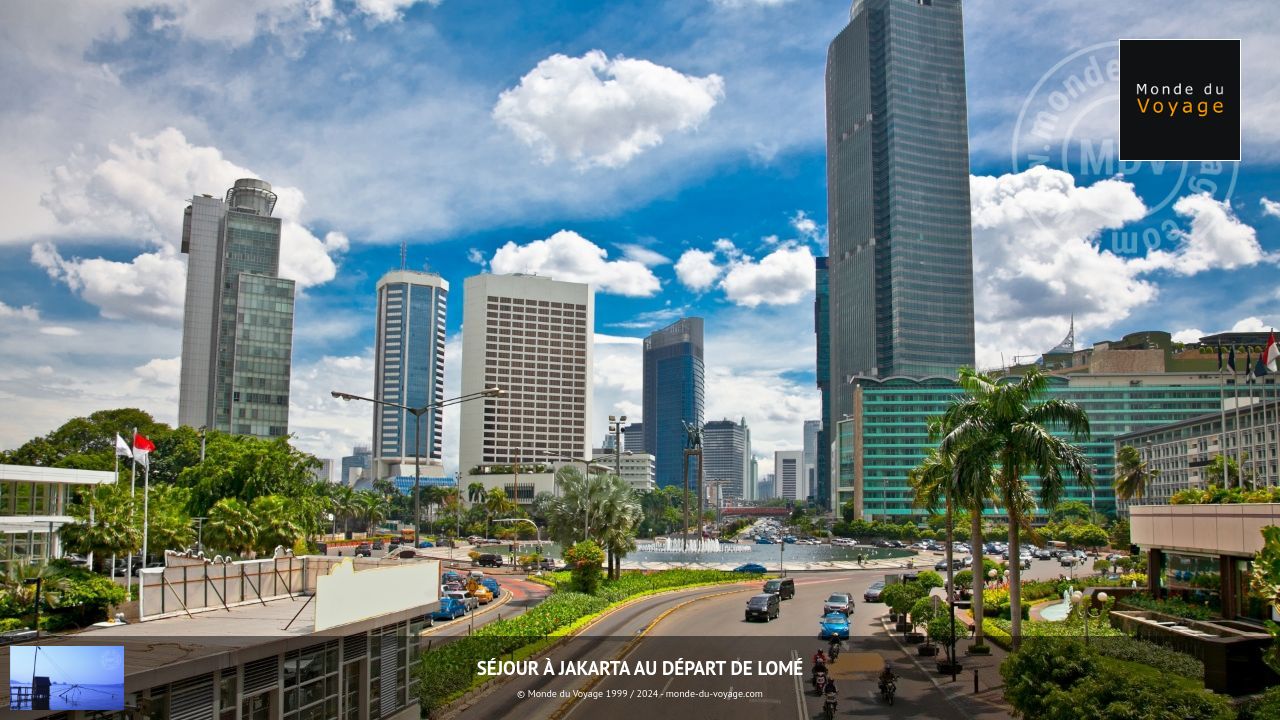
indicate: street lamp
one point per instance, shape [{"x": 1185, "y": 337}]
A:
[
  {"x": 417, "y": 439},
  {"x": 1087, "y": 611},
  {"x": 991, "y": 575},
  {"x": 615, "y": 427}
]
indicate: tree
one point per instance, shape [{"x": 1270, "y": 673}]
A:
[
  {"x": 1265, "y": 584},
  {"x": 112, "y": 532},
  {"x": 1119, "y": 534},
  {"x": 231, "y": 527},
  {"x": 1006, "y": 426},
  {"x": 476, "y": 493},
  {"x": 373, "y": 508},
  {"x": 342, "y": 503},
  {"x": 276, "y": 523},
  {"x": 584, "y": 561},
  {"x": 1132, "y": 474},
  {"x": 1088, "y": 535},
  {"x": 169, "y": 526},
  {"x": 1214, "y": 471},
  {"x": 1071, "y": 511},
  {"x": 619, "y": 517}
]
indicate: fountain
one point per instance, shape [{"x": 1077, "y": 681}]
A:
[
  {"x": 696, "y": 545},
  {"x": 1059, "y": 612}
]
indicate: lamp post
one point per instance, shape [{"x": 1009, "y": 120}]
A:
[
  {"x": 1087, "y": 611},
  {"x": 417, "y": 450},
  {"x": 38, "y": 582},
  {"x": 991, "y": 575},
  {"x": 615, "y": 427}
]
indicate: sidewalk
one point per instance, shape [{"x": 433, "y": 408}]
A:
[{"x": 988, "y": 703}]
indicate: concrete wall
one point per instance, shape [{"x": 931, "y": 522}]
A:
[{"x": 1206, "y": 529}]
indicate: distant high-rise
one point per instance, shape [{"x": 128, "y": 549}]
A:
[
  {"x": 633, "y": 438},
  {"x": 811, "y": 430},
  {"x": 673, "y": 395},
  {"x": 237, "y": 324},
  {"x": 409, "y": 366},
  {"x": 356, "y": 466},
  {"x": 752, "y": 491},
  {"x": 822, "y": 328},
  {"x": 900, "y": 266},
  {"x": 531, "y": 337},
  {"x": 788, "y": 471},
  {"x": 726, "y": 446}
]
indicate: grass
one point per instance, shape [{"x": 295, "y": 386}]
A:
[{"x": 1155, "y": 676}]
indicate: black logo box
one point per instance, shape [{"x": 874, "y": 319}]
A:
[{"x": 1186, "y": 68}]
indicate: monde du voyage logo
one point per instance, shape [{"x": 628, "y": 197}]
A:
[{"x": 1180, "y": 100}]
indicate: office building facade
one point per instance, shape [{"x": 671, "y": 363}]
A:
[
  {"x": 638, "y": 469},
  {"x": 811, "y": 430},
  {"x": 900, "y": 266},
  {"x": 530, "y": 336},
  {"x": 409, "y": 368},
  {"x": 822, "y": 331},
  {"x": 886, "y": 436},
  {"x": 788, "y": 474},
  {"x": 237, "y": 329},
  {"x": 633, "y": 437},
  {"x": 33, "y": 508},
  {"x": 357, "y": 466},
  {"x": 673, "y": 396},
  {"x": 726, "y": 448}
]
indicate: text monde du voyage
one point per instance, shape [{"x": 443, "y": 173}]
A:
[{"x": 1180, "y": 99}]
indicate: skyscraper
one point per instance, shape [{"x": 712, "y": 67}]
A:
[
  {"x": 673, "y": 395},
  {"x": 531, "y": 337},
  {"x": 788, "y": 468},
  {"x": 409, "y": 367},
  {"x": 810, "y": 489},
  {"x": 822, "y": 328},
  {"x": 726, "y": 446},
  {"x": 356, "y": 466},
  {"x": 237, "y": 324},
  {"x": 633, "y": 437},
  {"x": 900, "y": 266}
]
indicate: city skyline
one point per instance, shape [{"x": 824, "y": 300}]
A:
[{"x": 706, "y": 199}]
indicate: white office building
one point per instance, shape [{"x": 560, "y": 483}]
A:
[
  {"x": 33, "y": 506},
  {"x": 788, "y": 470},
  {"x": 639, "y": 470},
  {"x": 531, "y": 337}
]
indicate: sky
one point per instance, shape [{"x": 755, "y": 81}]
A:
[
  {"x": 671, "y": 153},
  {"x": 68, "y": 664}
]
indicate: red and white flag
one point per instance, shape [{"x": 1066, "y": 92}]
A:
[
  {"x": 1270, "y": 353},
  {"x": 142, "y": 448}
]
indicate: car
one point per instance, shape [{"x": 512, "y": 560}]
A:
[
  {"x": 492, "y": 585},
  {"x": 838, "y": 602},
  {"x": 1043, "y": 554},
  {"x": 481, "y": 593},
  {"x": 874, "y": 593},
  {"x": 883, "y": 544},
  {"x": 784, "y": 587},
  {"x": 364, "y": 550},
  {"x": 451, "y": 576},
  {"x": 956, "y": 564},
  {"x": 489, "y": 560},
  {"x": 465, "y": 598},
  {"x": 75, "y": 559},
  {"x": 426, "y": 544},
  {"x": 377, "y": 545},
  {"x": 547, "y": 564},
  {"x": 833, "y": 625},
  {"x": 451, "y": 587},
  {"x": 756, "y": 568},
  {"x": 764, "y": 605},
  {"x": 137, "y": 567},
  {"x": 450, "y": 609},
  {"x": 1025, "y": 562},
  {"x": 1068, "y": 560}
]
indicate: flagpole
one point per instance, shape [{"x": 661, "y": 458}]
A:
[
  {"x": 146, "y": 517},
  {"x": 1235, "y": 394},
  {"x": 133, "y": 488},
  {"x": 1222, "y": 419}
]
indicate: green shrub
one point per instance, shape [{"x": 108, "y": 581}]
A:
[
  {"x": 1147, "y": 653},
  {"x": 10, "y": 624},
  {"x": 940, "y": 628},
  {"x": 1263, "y": 707},
  {"x": 929, "y": 579},
  {"x": 1118, "y": 696},
  {"x": 1041, "y": 667},
  {"x": 1170, "y": 606},
  {"x": 921, "y": 612}
]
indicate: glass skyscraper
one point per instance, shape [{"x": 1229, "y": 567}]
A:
[
  {"x": 822, "y": 328},
  {"x": 726, "y": 445},
  {"x": 409, "y": 364},
  {"x": 673, "y": 394},
  {"x": 900, "y": 266},
  {"x": 237, "y": 332}
]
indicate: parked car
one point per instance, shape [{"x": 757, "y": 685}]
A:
[
  {"x": 465, "y": 598},
  {"x": 838, "y": 602},
  {"x": 1043, "y": 554},
  {"x": 450, "y": 608},
  {"x": 547, "y": 564},
  {"x": 153, "y": 564},
  {"x": 1068, "y": 560},
  {"x": 833, "y": 624},
  {"x": 765, "y": 606},
  {"x": 956, "y": 564},
  {"x": 426, "y": 544},
  {"x": 364, "y": 550},
  {"x": 751, "y": 568},
  {"x": 874, "y": 592},
  {"x": 489, "y": 560},
  {"x": 784, "y": 587}
]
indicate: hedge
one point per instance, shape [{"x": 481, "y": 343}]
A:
[{"x": 1170, "y": 606}]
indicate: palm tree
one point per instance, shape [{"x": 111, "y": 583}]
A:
[
  {"x": 1132, "y": 474},
  {"x": 1006, "y": 427},
  {"x": 619, "y": 514},
  {"x": 276, "y": 522},
  {"x": 373, "y": 507},
  {"x": 112, "y": 531},
  {"x": 476, "y": 492},
  {"x": 231, "y": 526},
  {"x": 568, "y": 513},
  {"x": 342, "y": 503},
  {"x": 934, "y": 481}
]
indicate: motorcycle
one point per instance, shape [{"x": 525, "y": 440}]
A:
[
  {"x": 829, "y": 707},
  {"x": 819, "y": 680},
  {"x": 833, "y": 651},
  {"x": 887, "y": 690}
]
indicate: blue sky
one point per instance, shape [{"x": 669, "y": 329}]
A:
[
  {"x": 671, "y": 153},
  {"x": 63, "y": 664}
]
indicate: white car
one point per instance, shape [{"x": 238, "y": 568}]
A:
[{"x": 469, "y": 601}]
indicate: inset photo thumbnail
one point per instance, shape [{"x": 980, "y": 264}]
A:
[{"x": 66, "y": 677}]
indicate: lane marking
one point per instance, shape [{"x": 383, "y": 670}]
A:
[{"x": 800, "y": 711}]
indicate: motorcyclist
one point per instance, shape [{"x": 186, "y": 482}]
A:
[
  {"x": 827, "y": 687},
  {"x": 887, "y": 676},
  {"x": 833, "y": 647},
  {"x": 819, "y": 660}
]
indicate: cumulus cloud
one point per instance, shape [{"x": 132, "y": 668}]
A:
[
  {"x": 1189, "y": 335},
  {"x": 384, "y": 11},
  {"x": 596, "y": 111},
  {"x": 644, "y": 255},
  {"x": 567, "y": 255},
  {"x": 1249, "y": 324},
  {"x": 26, "y": 312},
  {"x": 1037, "y": 259},
  {"x": 475, "y": 256},
  {"x": 161, "y": 371},
  {"x": 737, "y": 4},
  {"x": 807, "y": 228},
  {"x": 59, "y": 331},
  {"x": 138, "y": 191},
  {"x": 782, "y": 277},
  {"x": 1270, "y": 207},
  {"x": 1217, "y": 240},
  {"x": 697, "y": 270}
]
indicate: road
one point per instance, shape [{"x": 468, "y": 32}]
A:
[{"x": 708, "y": 624}]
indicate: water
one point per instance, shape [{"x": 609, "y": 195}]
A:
[
  {"x": 1058, "y": 612},
  {"x": 64, "y": 696}
]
